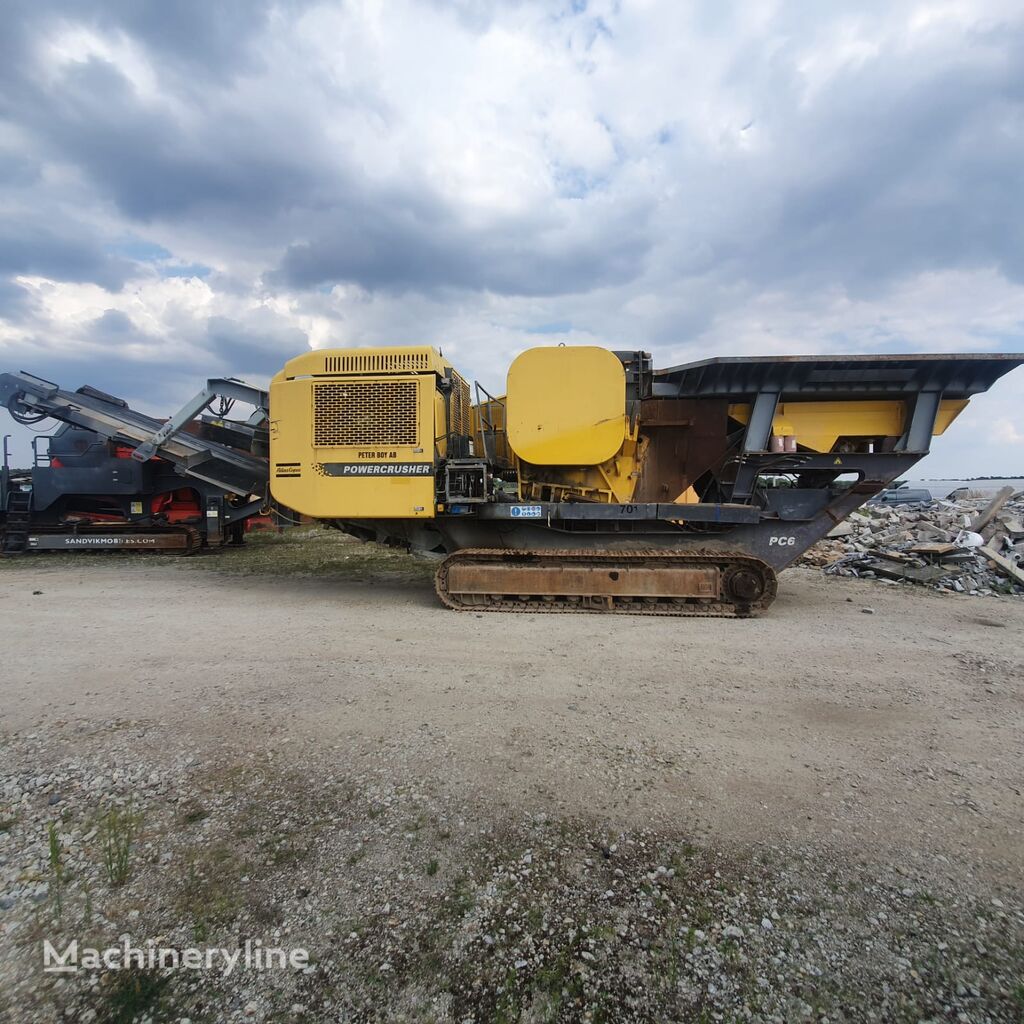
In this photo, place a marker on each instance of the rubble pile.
(969, 545)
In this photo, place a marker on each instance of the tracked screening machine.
(114, 478)
(598, 483)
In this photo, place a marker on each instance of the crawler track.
(709, 584)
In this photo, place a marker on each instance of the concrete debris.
(985, 517)
(971, 545)
(1012, 569)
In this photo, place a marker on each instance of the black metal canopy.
(959, 375)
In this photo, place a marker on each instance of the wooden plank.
(936, 548)
(1011, 569)
(1002, 496)
(891, 556)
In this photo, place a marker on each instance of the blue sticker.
(527, 512)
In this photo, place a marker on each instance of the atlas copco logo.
(252, 956)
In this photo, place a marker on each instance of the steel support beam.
(219, 387)
(232, 514)
(615, 511)
(921, 412)
(756, 440)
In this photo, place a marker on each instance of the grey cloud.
(15, 301)
(392, 246)
(236, 175)
(28, 247)
(112, 323)
(478, 15)
(152, 166)
(158, 383)
(113, 353)
(211, 39)
(18, 170)
(254, 349)
(894, 168)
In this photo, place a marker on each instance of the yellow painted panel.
(818, 425)
(297, 476)
(611, 481)
(566, 406)
(948, 411)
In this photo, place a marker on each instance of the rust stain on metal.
(611, 580)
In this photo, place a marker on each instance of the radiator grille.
(378, 362)
(360, 413)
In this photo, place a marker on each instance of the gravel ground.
(813, 816)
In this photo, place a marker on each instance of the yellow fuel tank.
(566, 406)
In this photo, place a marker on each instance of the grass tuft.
(130, 995)
(118, 831)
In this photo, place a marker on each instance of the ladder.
(19, 514)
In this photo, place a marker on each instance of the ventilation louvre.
(460, 407)
(378, 362)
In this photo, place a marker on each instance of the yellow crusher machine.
(596, 482)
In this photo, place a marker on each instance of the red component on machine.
(181, 506)
(89, 516)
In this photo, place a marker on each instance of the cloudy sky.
(192, 189)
